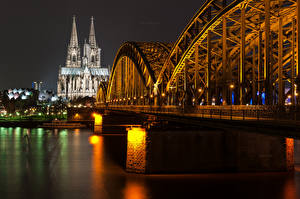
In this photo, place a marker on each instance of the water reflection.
(97, 165)
(39, 163)
(135, 189)
(289, 189)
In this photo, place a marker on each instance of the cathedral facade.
(81, 75)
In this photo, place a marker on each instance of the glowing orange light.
(135, 190)
(136, 135)
(199, 90)
(76, 131)
(142, 97)
(151, 96)
(163, 94)
(136, 149)
(97, 167)
(76, 116)
(98, 119)
(231, 86)
(289, 153)
(94, 139)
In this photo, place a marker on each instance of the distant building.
(47, 96)
(81, 76)
(37, 85)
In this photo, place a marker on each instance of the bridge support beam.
(156, 95)
(187, 90)
(267, 65)
(298, 53)
(225, 95)
(242, 57)
(176, 92)
(280, 64)
(197, 79)
(208, 70)
(254, 98)
(185, 82)
(259, 67)
(156, 100)
(293, 63)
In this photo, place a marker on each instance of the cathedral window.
(93, 58)
(74, 58)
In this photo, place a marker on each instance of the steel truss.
(247, 50)
(135, 70)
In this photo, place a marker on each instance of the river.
(40, 163)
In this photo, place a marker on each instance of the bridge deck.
(258, 119)
(248, 113)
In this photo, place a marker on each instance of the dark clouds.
(34, 33)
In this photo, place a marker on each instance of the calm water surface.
(39, 163)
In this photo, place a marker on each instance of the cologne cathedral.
(81, 76)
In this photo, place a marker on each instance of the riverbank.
(31, 121)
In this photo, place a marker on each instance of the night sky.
(34, 34)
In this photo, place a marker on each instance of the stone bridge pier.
(190, 151)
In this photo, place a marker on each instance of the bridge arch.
(101, 94)
(231, 52)
(134, 72)
(243, 52)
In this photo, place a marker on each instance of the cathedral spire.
(92, 37)
(74, 38)
(73, 56)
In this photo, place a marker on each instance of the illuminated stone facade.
(81, 76)
(136, 150)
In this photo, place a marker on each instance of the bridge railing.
(236, 112)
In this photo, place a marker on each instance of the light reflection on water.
(78, 164)
(97, 164)
(135, 190)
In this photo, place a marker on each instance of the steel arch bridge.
(237, 52)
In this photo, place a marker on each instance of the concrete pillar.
(179, 151)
